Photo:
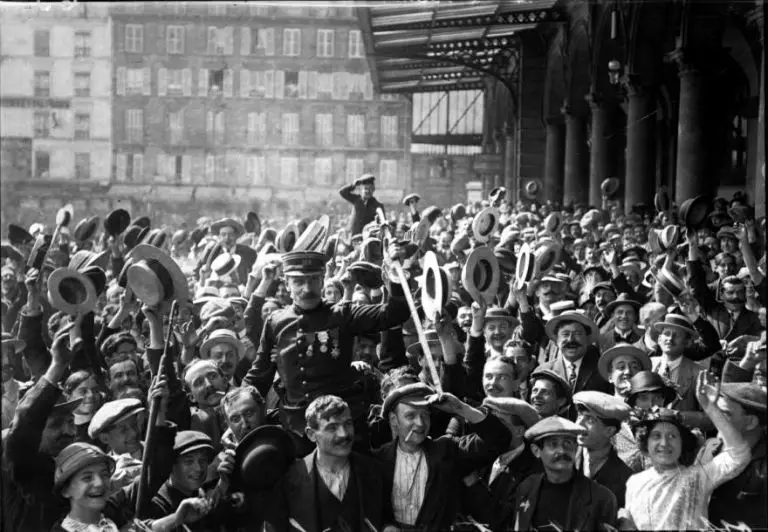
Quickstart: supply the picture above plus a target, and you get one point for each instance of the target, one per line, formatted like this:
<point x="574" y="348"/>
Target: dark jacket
<point x="590" y="507"/>
<point x="449" y="460"/>
<point x="363" y="212"/>
<point x="613" y="475"/>
<point x="247" y="258"/>
<point x="296" y="495"/>
<point x="587" y="379"/>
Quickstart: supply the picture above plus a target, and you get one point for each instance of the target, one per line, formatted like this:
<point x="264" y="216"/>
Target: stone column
<point x="641" y="147"/>
<point x="511" y="170"/>
<point x="554" y="161"/>
<point x="576" y="181"/>
<point x="600" y="152"/>
<point x="758" y="194"/>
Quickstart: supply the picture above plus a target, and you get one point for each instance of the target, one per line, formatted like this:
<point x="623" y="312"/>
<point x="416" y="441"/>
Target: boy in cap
<point x="541" y="498"/>
<point x="364" y="205"/>
<point x="601" y="416"/>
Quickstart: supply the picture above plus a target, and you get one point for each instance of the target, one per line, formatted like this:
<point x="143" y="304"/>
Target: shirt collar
<point x="671" y="364"/>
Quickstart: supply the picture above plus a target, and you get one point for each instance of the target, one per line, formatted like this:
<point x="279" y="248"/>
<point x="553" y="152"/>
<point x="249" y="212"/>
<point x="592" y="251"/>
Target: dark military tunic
<point x="315" y="350"/>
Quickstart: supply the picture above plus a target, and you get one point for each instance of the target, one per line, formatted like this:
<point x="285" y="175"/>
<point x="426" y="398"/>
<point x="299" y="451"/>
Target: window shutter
<point x="245" y="83"/>
<point x="147" y="88"/>
<point x="202" y="83"/>
<point x="229" y="40"/>
<point x="269" y="83"/>
<point x="120" y="81"/>
<point x="220" y="126"/>
<point x="251" y="136"/>
<point x="302" y="84"/>
<point x="162" y="82"/>
<point x="367" y="87"/>
<point x="186" y="80"/>
<point x="312" y="85"/>
<point x="279" y="84"/>
<point x="138" y="167"/>
<point x="160" y="168"/>
<point x="250" y="166"/>
<point x="210" y="168"/>
<point x="344" y="89"/>
<point x="186" y="168"/>
<point x="269" y="37"/>
<point x="228" y="83"/>
<point x="209" y="124"/>
<point x="120" y="166"/>
<point x="336" y="86"/>
<point x="245" y="41"/>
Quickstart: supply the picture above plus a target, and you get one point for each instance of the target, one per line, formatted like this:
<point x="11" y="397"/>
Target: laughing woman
<point x="674" y="493"/>
<point x="82" y="476"/>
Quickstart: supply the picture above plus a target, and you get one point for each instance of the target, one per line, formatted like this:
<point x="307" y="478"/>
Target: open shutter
<point x="367" y="87"/>
<point x="245" y="41"/>
<point x="186" y="168"/>
<point x="147" y="87"/>
<point x="120" y="84"/>
<point x="279" y="84"/>
<point x="344" y="82"/>
<point x="210" y="168"/>
<point x="120" y="166"/>
<point x="229" y="40"/>
<point x="312" y="88"/>
<point x="302" y="84"/>
<point x="228" y="83"/>
<point x="186" y="81"/>
<point x="162" y="82"/>
<point x="245" y="83"/>
<point x="161" y="168"/>
<point x="269" y="83"/>
<point x="202" y="82"/>
<point x="138" y="167"/>
<point x="269" y="37"/>
<point x="209" y="125"/>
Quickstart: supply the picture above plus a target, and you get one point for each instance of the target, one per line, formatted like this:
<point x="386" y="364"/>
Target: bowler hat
<point x="18" y="236"/>
<point x="263" y="456"/>
<point x="9" y="251"/>
<point x="142" y="221"/>
<point x="155" y="277"/>
<point x="458" y="212"/>
<point x="484" y="224"/>
<point x="649" y="381"/>
<point x="134" y="235"/>
<point x="116" y="222"/>
<point x="252" y="223"/>
<point x="693" y="211"/>
<point x="86" y="228"/>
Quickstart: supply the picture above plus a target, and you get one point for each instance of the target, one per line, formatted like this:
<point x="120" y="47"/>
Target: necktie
<point x="666" y="373"/>
<point x="572" y="374"/>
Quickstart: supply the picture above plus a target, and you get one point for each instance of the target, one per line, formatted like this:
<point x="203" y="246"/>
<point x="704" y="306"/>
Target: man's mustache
<point x="563" y="458"/>
<point x="571" y="345"/>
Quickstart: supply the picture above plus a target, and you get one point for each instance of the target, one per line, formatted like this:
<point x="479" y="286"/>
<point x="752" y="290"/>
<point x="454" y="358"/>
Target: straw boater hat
<point x="155" y="277"/>
<point x="525" y="268"/>
<point x="547" y="254"/>
<point x="314" y="236"/>
<point x="287" y="237"/>
<point x="484" y="224"/>
<point x="435" y="287"/>
<point x="573" y="316"/>
<point x="225" y="263"/>
<point x="71" y="291"/>
<point x="677" y="321"/>
<point x="480" y="275"/>
<point x="609" y="187"/>
<point x="622" y="299"/>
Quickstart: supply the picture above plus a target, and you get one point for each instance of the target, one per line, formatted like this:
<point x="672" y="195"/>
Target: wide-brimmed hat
<point x="433" y="342"/>
<point x="431" y="214"/>
<point x="622" y="299"/>
<point x="367" y="275"/>
<point x="225" y="263"/>
<point x="18" y="236"/>
<point x="484" y="224"/>
<point x="531" y="188"/>
<point x="371" y="250"/>
<point x="222" y="336"/>
<point x="480" y="274"/>
<point x="552" y="222"/>
<point x="669" y="237"/>
<point x="134" y="235"/>
<point x="228" y="222"/>
<point x="262" y="457"/>
<point x="609" y="355"/>
<point x="411" y="198"/>
<point x="142" y="221"/>
<point x="314" y="236"/>
<point x="76" y="456"/>
<point x="547" y="254"/>
<point x="661" y="200"/>
<point x="412" y="394"/>
<point x="198" y="234"/>
<point x="287" y="237"/>
<point x="116" y="222"/>
<point x="499" y="313"/>
<point x="506" y="258"/>
<point x="157" y="237"/>
<point x="435" y="287"/>
<point x="525" y="268"/>
<point x="86" y="229"/>
<point x="609" y="187"/>
<point x="665" y="415"/>
<point x="71" y="291"/>
<point x="670" y="282"/>
<point x="677" y="321"/>
<point x="649" y="381"/>
<point x="252" y="223"/>
<point x="573" y="316"/>
<point x="693" y="211"/>
<point x="155" y="277"/>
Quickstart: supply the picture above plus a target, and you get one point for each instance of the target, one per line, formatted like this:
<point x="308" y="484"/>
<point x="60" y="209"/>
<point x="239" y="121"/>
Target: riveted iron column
<point x="576" y="181"/>
<point x="641" y="147"/>
<point x="600" y="150"/>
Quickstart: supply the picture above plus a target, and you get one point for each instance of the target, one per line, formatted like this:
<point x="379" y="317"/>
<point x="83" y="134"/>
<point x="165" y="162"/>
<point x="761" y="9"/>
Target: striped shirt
<point x="410" y="485"/>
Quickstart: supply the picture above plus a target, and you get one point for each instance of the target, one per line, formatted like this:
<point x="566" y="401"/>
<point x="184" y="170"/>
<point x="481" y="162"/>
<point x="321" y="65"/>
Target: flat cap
<point x="747" y="394"/>
<point x="603" y="286"/>
<point x="110" y="344"/>
<point x="189" y="441"/>
<point x="602" y="405"/>
<point x="515" y="407"/>
<point x="112" y="413"/>
<point x="365" y="179"/>
<point x="542" y="373"/>
<point x="76" y="456"/>
<point x="554" y="426"/>
<point x="412" y="394"/>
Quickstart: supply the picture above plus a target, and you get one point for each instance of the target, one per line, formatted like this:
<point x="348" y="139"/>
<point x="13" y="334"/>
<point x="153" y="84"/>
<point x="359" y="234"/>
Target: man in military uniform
<point x="313" y="342"/>
<point x="364" y="205"/>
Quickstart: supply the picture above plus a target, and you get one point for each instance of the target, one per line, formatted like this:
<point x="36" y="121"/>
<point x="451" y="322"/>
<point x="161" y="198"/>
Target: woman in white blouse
<point x="674" y="493"/>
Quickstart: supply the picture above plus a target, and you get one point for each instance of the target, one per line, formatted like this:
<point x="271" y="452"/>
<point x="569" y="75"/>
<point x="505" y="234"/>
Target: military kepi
<point x="303" y="263"/>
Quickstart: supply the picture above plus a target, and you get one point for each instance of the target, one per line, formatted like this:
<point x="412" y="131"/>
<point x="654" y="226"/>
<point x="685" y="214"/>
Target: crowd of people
<point x="492" y="366"/>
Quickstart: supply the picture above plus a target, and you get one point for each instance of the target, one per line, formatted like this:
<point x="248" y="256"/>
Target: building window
<point x="291" y="42"/>
<point x="221" y="41"/>
<point x="256" y="169"/>
<point x="355" y="44"/>
<point x="176" y="127"/>
<point x="324" y="129"/>
<point x="134" y="126"/>
<point x="221" y="169"/>
<point x="177" y="8"/>
<point x="388" y="173"/>
<point x="129" y="167"/>
<point x="42" y="164"/>
<point x="82" y="166"/>
<point x="291" y="84"/>
<point x="356" y="130"/>
<point x="174" y="39"/>
<point x="217" y="9"/>
<point x="82" y="44"/>
<point x="42" y="124"/>
<point x="389" y="131"/>
<point x="324" y="83"/>
<point x="215" y="127"/>
<point x="82" y="84"/>
<point x="258" y="10"/>
<point x="355" y="167"/>
<point x="289" y="171"/>
<point x="257" y="129"/>
<point x="134" y="38"/>
<point x="265" y="41"/>
<point x="82" y="126"/>
<point x="42" y="84"/>
<point x="134" y="81"/>
<point x="325" y="41"/>
<point x="42" y="43"/>
<point x="292" y="11"/>
<point x="323" y="171"/>
<point x="291" y="128"/>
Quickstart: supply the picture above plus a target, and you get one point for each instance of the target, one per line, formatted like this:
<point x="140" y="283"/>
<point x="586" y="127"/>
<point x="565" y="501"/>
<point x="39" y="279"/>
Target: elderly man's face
<point x="123" y="375"/>
<point x="227" y="237"/>
<point x="572" y="340"/>
<point x="244" y="414"/>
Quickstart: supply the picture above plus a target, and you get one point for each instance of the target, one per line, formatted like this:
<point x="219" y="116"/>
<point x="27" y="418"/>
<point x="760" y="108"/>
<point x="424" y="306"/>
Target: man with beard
<point x="623" y="313"/>
<point x="561" y="498"/>
<point x="207" y="386"/>
<point x="601" y="415"/>
<point x="550" y="393"/>
<point x="225" y="349"/>
<point x="313" y="341"/>
<point x="333" y="488"/>
<point x="364" y="205"/>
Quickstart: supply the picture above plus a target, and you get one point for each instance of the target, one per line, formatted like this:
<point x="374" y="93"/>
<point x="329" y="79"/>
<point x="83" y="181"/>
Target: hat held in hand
<point x="155" y="277"/>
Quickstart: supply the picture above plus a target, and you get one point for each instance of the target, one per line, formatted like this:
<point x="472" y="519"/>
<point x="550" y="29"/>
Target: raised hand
<point x="707" y="390"/>
<point x="192" y="510"/>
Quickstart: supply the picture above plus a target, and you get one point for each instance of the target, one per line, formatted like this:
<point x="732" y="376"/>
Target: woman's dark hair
<point x="689" y="447"/>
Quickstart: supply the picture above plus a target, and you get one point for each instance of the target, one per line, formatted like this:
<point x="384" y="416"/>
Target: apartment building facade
<point x="222" y="102"/>
<point x="55" y="104"/>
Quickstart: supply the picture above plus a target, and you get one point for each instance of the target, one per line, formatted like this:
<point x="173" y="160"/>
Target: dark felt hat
<point x="693" y="211"/>
<point x="18" y="236"/>
<point x="366" y="274"/>
<point x="135" y="235"/>
<point x="142" y="221"/>
<point x="9" y="251"/>
<point x="649" y="381"/>
<point x="622" y="299"/>
<point x="116" y="222"/>
<point x="198" y="234"/>
<point x="252" y="223"/>
<point x="262" y="457"/>
<point x="86" y="228"/>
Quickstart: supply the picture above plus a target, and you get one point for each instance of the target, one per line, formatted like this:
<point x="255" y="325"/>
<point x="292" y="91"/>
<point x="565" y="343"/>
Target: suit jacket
<point x="613" y="475"/>
<point x="449" y="460"/>
<point x="687" y="374"/>
<point x="247" y="258"/>
<point x="589" y="508"/>
<point x="587" y="379"/>
<point x="295" y="495"/>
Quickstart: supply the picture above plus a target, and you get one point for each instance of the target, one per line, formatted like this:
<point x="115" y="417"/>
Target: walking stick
<point x="142" y="499"/>
<point x="385" y="229"/>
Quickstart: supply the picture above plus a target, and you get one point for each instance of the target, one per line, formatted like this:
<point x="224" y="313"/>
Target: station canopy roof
<point x="441" y="45"/>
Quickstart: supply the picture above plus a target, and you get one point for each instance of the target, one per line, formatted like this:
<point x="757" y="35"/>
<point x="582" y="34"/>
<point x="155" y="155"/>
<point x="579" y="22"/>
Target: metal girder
<point x="457" y="139"/>
<point x="448" y="86"/>
<point x="535" y="16"/>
